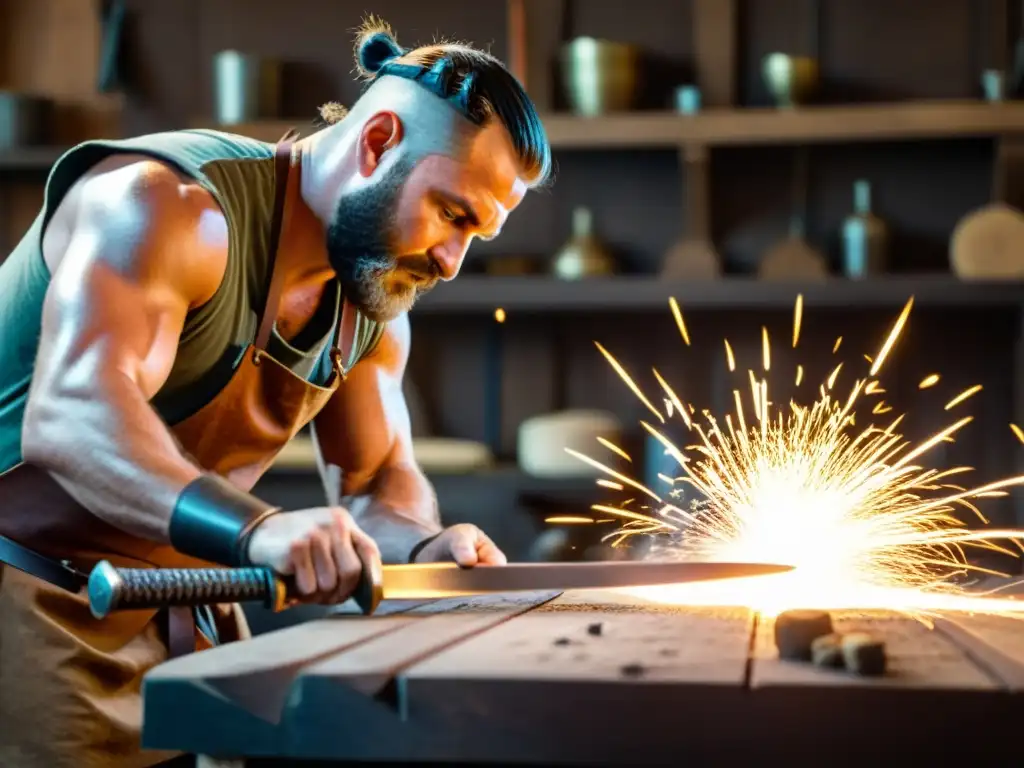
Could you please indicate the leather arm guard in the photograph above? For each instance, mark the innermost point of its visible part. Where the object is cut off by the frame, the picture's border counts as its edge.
(213, 521)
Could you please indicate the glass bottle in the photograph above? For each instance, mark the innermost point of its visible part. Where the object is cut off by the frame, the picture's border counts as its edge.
(865, 237)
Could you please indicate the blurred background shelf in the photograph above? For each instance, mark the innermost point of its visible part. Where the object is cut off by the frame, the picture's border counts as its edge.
(751, 126)
(297, 462)
(472, 294)
(904, 110)
(714, 127)
(501, 479)
(30, 159)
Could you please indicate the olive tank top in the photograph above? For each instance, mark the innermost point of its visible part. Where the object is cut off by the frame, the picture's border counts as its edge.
(239, 173)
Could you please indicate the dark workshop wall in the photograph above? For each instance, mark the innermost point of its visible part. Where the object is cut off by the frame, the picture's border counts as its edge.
(870, 50)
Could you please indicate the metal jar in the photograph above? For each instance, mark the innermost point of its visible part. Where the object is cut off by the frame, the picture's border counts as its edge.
(245, 87)
(599, 76)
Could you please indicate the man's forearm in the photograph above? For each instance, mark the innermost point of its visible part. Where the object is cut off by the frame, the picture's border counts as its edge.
(399, 512)
(113, 456)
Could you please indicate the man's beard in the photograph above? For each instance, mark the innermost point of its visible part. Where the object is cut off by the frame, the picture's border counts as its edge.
(361, 243)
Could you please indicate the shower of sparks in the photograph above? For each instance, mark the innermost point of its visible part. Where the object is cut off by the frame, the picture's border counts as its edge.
(863, 523)
(963, 396)
(569, 520)
(1017, 432)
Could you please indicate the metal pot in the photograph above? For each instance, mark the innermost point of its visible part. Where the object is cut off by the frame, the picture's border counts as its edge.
(246, 87)
(599, 76)
(584, 255)
(792, 80)
(25, 120)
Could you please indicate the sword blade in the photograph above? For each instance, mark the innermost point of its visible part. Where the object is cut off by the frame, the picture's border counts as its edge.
(116, 589)
(432, 580)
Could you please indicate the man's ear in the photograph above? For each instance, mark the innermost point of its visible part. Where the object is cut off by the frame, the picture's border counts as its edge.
(383, 131)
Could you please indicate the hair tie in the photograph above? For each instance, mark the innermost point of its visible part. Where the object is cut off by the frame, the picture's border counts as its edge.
(377, 50)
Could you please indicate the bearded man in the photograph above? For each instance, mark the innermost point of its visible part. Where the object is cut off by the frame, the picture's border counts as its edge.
(183, 305)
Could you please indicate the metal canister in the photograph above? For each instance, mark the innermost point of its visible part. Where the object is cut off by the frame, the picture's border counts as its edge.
(246, 87)
(599, 76)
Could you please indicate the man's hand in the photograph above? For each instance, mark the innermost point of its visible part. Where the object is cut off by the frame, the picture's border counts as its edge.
(466, 544)
(322, 548)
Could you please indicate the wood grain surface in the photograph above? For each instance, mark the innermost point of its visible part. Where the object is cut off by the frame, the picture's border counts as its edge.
(588, 677)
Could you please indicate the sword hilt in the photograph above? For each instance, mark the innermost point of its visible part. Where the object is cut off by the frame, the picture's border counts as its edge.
(124, 589)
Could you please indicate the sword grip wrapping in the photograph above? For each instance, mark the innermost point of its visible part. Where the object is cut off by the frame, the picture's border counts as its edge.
(124, 589)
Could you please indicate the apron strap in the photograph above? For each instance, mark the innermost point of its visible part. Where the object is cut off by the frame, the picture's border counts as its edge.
(345, 334)
(181, 631)
(282, 167)
(344, 337)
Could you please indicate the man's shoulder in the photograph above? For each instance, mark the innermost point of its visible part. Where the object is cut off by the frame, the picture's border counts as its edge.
(148, 216)
(140, 196)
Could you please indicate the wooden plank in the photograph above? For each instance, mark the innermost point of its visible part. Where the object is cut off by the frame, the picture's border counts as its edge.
(715, 50)
(259, 697)
(360, 683)
(238, 690)
(932, 687)
(721, 127)
(919, 658)
(995, 643)
(757, 126)
(585, 678)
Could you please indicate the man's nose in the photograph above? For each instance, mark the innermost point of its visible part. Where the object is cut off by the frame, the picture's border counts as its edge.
(449, 256)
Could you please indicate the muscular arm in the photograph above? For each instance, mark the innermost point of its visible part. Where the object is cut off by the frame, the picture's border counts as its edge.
(364, 438)
(124, 252)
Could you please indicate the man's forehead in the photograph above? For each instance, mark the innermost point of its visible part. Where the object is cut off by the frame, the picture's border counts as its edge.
(489, 160)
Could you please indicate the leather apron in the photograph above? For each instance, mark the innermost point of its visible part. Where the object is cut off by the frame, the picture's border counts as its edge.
(70, 685)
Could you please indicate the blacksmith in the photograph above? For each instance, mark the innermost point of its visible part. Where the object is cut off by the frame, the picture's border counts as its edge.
(182, 306)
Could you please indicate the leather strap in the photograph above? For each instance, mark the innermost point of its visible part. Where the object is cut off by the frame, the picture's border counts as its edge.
(58, 574)
(181, 631)
(282, 167)
(421, 545)
(345, 331)
(344, 336)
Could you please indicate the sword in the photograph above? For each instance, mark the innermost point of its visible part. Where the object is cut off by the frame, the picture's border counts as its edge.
(119, 589)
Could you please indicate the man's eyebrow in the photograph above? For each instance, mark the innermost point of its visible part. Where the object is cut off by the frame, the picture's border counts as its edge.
(467, 209)
(460, 202)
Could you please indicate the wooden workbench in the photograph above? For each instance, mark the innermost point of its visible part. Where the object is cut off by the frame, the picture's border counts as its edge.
(592, 678)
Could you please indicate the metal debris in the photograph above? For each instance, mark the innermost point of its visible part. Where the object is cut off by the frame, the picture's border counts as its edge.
(864, 654)
(796, 631)
(827, 651)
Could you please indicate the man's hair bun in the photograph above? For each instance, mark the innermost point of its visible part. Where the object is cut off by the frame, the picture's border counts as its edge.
(375, 46)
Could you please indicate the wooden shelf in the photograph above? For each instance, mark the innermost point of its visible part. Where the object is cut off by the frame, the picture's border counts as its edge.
(30, 159)
(502, 479)
(713, 127)
(722, 127)
(472, 294)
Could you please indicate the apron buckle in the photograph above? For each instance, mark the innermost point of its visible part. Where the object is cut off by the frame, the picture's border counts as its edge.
(336, 362)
